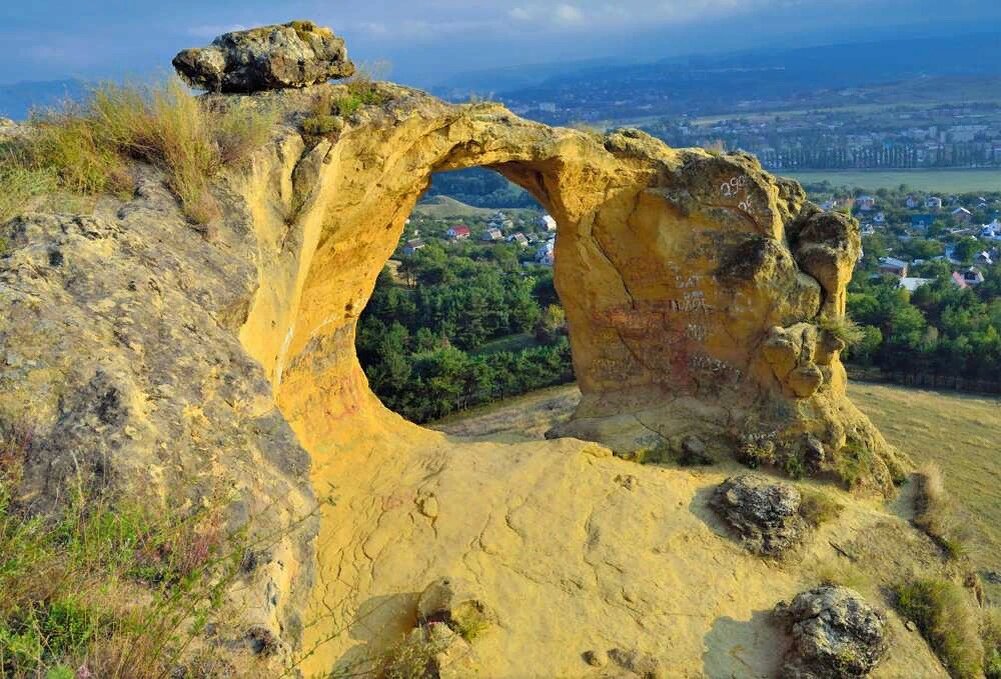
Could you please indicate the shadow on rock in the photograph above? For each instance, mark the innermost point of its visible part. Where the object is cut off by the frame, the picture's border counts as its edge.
(744, 648)
(380, 622)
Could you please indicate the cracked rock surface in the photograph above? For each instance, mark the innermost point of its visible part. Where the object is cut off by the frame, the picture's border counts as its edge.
(835, 633)
(763, 513)
(295, 54)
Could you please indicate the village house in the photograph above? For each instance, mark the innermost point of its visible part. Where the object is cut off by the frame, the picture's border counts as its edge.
(933, 203)
(972, 276)
(547, 223)
(912, 284)
(865, 203)
(912, 202)
(413, 246)
(458, 232)
(544, 255)
(829, 205)
(492, 235)
(518, 239)
(991, 231)
(922, 222)
(893, 266)
(501, 221)
(962, 215)
(984, 259)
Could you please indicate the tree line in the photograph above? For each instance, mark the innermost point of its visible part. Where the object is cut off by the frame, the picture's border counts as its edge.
(939, 335)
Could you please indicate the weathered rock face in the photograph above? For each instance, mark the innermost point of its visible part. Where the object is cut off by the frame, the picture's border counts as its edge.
(295, 54)
(836, 635)
(698, 289)
(118, 352)
(763, 513)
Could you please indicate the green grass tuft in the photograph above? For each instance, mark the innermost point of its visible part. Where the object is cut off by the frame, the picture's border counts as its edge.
(817, 508)
(947, 619)
(843, 328)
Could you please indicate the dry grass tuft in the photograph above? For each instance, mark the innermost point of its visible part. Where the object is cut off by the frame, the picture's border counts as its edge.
(817, 507)
(107, 588)
(844, 573)
(843, 328)
(948, 620)
(936, 510)
(990, 632)
(86, 148)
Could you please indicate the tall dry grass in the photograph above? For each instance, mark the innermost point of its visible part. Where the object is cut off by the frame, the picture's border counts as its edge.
(89, 147)
(948, 620)
(935, 511)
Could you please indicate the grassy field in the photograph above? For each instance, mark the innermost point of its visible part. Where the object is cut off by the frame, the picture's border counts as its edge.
(443, 207)
(962, 433)
(945, 181)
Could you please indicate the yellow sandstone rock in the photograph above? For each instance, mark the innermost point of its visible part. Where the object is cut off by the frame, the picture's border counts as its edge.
(697, 287)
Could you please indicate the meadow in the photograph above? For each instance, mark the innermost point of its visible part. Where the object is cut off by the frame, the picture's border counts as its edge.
(944, 181)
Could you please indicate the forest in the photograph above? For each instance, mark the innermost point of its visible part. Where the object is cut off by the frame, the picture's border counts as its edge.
(461, 327)
(939, 335)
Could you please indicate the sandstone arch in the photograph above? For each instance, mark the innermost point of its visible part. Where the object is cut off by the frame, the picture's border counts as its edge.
(695, 284)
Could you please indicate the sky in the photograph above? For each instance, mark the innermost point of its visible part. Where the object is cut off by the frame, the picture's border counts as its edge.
(427, 42)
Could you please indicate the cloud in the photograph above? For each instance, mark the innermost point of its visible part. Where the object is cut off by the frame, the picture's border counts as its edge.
(568, 14)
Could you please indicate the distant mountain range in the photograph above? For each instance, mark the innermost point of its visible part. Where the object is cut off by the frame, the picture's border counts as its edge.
(17, 99)
(696, 83)
(725, 82)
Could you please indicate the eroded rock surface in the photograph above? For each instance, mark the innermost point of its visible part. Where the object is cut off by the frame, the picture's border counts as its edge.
(763, 513)
(835, 633)
(689, 310)
(118, 352)
(295, 54)
(697, 289)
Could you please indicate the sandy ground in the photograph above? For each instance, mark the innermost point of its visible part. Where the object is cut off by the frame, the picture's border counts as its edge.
(574, 550)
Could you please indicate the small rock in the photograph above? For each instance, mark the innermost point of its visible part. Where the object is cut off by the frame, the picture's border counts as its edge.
(596, 658)
(765, 514)
(813, 452)
(434, 650)
(456, 603)
(640, 664)
(911, 627)
(835, 634)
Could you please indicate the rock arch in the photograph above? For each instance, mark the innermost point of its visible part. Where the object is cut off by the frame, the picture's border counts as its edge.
(697, 287)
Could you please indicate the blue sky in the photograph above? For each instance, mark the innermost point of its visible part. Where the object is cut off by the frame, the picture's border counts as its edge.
(429, 40)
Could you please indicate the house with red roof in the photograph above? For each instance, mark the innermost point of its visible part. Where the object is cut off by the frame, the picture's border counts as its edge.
(458, 232)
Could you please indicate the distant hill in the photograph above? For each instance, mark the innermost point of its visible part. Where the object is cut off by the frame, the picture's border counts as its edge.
(443, 207)
(755, 80)
(17, 99)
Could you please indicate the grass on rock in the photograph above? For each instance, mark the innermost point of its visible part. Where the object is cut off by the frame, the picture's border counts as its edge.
(107, 588)
(88, 147)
